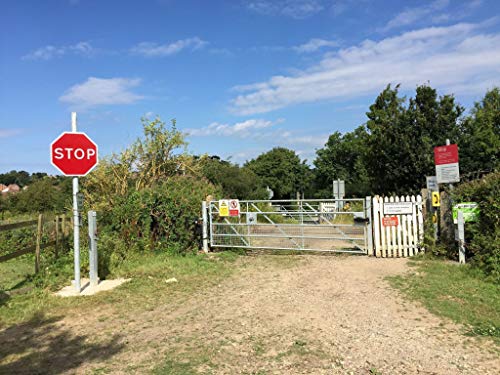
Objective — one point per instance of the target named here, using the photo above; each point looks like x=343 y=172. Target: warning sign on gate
x=390 y=221
x=223 y=208
x=234 y=207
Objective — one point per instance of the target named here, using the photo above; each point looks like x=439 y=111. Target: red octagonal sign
x=74 y=154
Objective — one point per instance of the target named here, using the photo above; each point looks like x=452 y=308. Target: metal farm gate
x=327 y=225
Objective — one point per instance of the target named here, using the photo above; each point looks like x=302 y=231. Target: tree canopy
x=282 y=171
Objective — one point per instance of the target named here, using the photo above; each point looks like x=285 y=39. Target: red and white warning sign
x=446 y=160
x=234 y=207
x=390 y=221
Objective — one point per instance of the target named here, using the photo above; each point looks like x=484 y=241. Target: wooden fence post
x=38 y=241
x=57 y=237
x=63 y=229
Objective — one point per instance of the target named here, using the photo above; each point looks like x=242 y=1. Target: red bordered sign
x=390 y=221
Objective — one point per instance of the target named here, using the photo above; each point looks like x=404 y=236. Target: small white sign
x=432 y=183
x=338 y=189
x=447 y=173
x=251 y=218
x=398 y=208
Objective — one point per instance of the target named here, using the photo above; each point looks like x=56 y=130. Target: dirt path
x=284 y=315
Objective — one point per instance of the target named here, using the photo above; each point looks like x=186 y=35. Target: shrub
x=162 y=216
x=483 y=237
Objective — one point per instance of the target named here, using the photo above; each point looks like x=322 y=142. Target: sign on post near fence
x=446 y=160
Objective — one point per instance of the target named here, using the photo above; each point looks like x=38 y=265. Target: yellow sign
x=223 y=208
x=434 y=218
x=436 y=200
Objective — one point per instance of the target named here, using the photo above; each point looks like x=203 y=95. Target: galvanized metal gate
x=306 y=225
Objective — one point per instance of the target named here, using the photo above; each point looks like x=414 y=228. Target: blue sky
x=240 y=76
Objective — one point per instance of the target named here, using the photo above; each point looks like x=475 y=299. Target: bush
x=483 y=237
x=162 y=216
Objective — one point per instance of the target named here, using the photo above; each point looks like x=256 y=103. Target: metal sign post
x=76 y=219
x=74 y=154
x=461 y=237
x=204 y=215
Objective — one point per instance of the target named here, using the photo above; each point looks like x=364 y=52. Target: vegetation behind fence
x=33 y=236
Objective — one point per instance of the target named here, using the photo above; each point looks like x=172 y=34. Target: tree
x=155 y=157
x=40 y=196
x=401 y=139
x=282 y=170
x=385 y=145
x=479 y=144
x=235 y=181
x=21 y=178
x=342 y=158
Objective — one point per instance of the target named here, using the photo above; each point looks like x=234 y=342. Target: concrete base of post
x=88 y=289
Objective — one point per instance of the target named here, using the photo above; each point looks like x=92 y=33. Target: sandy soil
x=282 y=315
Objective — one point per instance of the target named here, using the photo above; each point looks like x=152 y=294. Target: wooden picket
x=403 y=240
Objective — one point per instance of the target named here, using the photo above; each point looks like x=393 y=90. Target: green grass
x=15 y=272
x=457 y=292
x=145 y=291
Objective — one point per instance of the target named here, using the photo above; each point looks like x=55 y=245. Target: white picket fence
x=403 y=240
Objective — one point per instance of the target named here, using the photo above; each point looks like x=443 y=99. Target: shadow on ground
x=42 y=346
x=4 y=297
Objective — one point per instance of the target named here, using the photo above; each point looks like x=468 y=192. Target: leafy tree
x=236 y=182
x=154 y=158
x=479 y=144
x=282 y=170
x=385 y=145
x=342 y=158
x=40 y=196
x=401 y=140
x=21 y=178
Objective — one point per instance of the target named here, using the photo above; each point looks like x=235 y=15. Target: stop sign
x=74 y=154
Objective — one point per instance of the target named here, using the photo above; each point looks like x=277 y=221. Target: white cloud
x=245 y=129
x=304 y=145
x=314 y=44
x=298 y=9
x=49 y=52
x=157 y=50
x=6 y=133
x=457 y=56
x=101 y=91
x=412 y=15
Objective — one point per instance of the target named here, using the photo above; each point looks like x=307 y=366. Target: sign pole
x=461 y=237
x=447 y=144
x=76 y=223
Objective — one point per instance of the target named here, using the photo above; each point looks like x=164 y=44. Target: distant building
x=12 y=188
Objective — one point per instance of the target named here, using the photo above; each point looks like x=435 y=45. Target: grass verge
x=454 y=291
x=148 y=286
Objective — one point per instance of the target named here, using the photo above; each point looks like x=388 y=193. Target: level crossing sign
x=446 y=161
